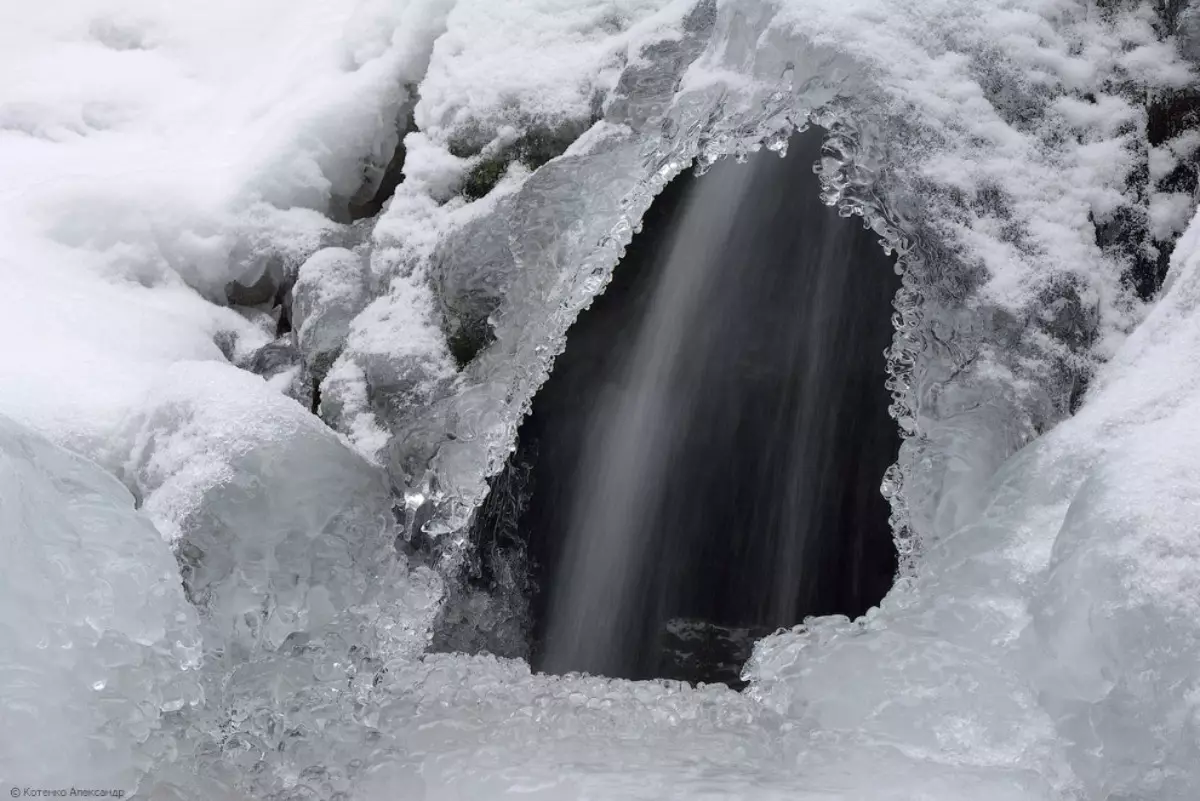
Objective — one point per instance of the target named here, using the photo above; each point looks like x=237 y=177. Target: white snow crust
x=236 y=622
x=150 y=154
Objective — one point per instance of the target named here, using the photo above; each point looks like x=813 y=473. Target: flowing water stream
x=709 y=447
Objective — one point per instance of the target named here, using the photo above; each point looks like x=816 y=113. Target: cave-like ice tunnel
x=707 y=453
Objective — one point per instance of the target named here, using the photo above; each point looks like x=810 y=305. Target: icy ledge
x=1070 y=601
x=945 y=133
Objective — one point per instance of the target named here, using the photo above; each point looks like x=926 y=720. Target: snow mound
x=154 y=156
x=281 y=528
x=333 y=286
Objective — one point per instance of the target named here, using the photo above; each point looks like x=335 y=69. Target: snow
x=149 y=154
x=332 y=286
x=252 y=629
x=1169 y=212
x=1163 y=159
x=539 y=60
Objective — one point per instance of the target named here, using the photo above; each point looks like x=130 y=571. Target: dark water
x=708 y=450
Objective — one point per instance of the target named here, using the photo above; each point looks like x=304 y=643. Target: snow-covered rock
x=152 y=156
x=281 y=528
x=332 y=287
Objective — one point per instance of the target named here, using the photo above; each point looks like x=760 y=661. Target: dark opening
x=707 y=453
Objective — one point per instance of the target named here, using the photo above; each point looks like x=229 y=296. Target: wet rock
x=381 y=176
x=533 y=149
x=1187 y=31
x=263 y=281
x=274 y=358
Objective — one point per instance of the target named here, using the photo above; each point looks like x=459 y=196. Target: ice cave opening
x=703 y=464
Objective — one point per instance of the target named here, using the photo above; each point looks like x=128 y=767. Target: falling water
x=633 y=440
x=730 y=433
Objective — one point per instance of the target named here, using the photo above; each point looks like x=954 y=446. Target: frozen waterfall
x=719 y=464
x=284 y=283
x=631 y=451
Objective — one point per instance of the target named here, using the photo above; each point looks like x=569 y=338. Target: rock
x=261 y=282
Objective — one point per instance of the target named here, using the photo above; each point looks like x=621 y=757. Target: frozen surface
x=98 y=640
x=331 y=288
x=160 y=161
x=487 y=729
x=946 y=132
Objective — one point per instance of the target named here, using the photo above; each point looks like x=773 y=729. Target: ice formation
x=183 y=185
x=99 y=642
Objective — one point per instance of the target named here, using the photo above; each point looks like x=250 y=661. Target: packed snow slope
x=250 y=401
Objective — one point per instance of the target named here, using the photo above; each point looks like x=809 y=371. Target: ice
x=533 y=230
x=279 y=525
x=332 y=286
x=1115 y=637
x=479 y=728
x=935 y=669
x=99 y=643
x=1042 y=643
x=285 y=538
x=1065 y=612
x=945 y=132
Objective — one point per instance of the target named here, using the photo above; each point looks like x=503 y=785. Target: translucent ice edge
x=995 y=328
x=714 y=121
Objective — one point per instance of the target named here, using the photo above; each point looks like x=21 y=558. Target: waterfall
x=732 y=431
x=633 y=441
